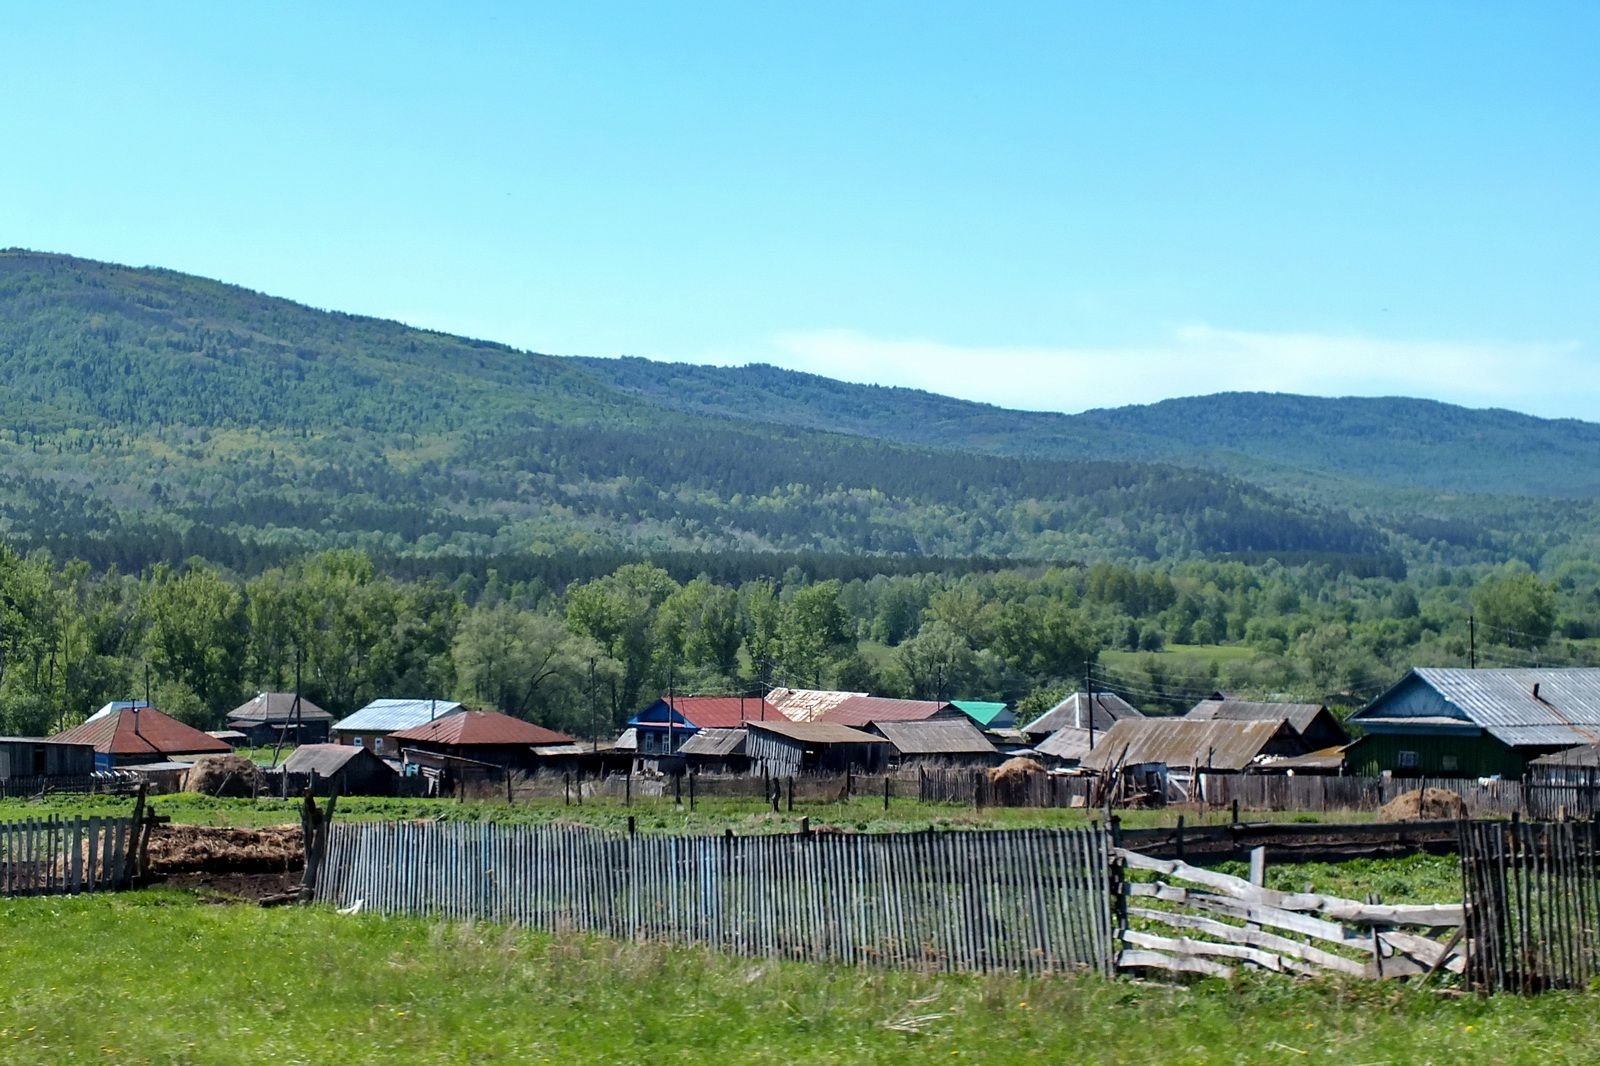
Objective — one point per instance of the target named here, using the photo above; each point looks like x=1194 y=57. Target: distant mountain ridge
x=1399 y=441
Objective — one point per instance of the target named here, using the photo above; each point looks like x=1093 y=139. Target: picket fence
x=52 y=856
x=1032 y=901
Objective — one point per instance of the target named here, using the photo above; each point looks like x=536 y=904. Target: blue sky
x=1051 y=206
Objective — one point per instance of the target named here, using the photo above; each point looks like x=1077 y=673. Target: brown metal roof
x=143 y=732
x=469 y=728
x=277 y=707
x=817 y=732
x=1299 y=715
x=952 y=736
x=807 y=704
x=1181 y=742
x=860 y=710
x=327 y=759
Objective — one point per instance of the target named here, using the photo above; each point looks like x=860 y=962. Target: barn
x=785 y=748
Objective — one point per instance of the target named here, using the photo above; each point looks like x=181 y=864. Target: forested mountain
x=1407 y=443
x=149 y=415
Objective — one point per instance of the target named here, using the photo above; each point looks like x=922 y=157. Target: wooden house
x=987 y=716
x=1451 y=722
x=35 y=757
x=784 y=748
x=1317 y=725
x=937 y=742
x=280 y=717
x=1081 y=710
x=476 y=743
x=663 y=727
x=373 y=725
x=354 y=771
x=125 y=735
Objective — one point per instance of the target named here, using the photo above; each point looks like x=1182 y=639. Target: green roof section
x=987 y=715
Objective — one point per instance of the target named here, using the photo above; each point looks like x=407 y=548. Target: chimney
x=1536 y=692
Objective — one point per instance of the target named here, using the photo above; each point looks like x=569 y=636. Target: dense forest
x=215 y=485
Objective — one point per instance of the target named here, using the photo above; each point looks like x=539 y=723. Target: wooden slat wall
x=57 y=856
x=1030 y=901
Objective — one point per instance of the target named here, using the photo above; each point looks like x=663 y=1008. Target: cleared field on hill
x=156 y=977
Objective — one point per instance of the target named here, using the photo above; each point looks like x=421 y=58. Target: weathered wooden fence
x=1033 y=900
x=1533 y=903
x=117 y=782
x=1318 y=792
x=980 y=789
x=47 y=856
x=1189 y=920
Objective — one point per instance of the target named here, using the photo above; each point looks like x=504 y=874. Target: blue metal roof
x=388 y=716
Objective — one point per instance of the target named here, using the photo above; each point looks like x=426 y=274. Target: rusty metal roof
x=145 y=731
x=715 y=743
x=1108 y=708
x=1299 y=715
x=947 y=736
x=481 y=728
x=807 y=704
x=1564 y=712
x=1181 y=742
x=860 y=710
x=817 y=732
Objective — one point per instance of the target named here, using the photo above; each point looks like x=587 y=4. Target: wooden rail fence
x=52 y=856
x=1031 y=900
x=1533 y=904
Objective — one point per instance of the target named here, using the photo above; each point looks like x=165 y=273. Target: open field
x=662 y=815
x=176 y=981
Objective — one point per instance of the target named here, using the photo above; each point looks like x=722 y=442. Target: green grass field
x=156 y=977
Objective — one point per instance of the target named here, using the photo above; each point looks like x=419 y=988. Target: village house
x=273 y=717
x=859 y=711
x=353 y=771
x=1081 y=710
x=476 y=743
x=987 y=716
x=663 y=727
x=1317 y=725
x=373 y=725
x=942 y=742
x=1452 y=722
x=807 y=704
x=784 y=748
x=133 y=736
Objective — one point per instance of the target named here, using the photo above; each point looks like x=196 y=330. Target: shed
x=134 y=734
x=1443 y=722
x=717 y=750
x=858 y=711
x=945 y=742
x=280 y=717
x=372 y=726
x=1082 y=711
x=356 y=771
x=785 y=748
x=1181 y=744
x=36 y=757
x=1317 y=725
x=1066 y=747
x=987 y=715
x=663 y=727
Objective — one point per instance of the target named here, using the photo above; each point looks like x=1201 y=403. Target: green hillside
x=149 y=415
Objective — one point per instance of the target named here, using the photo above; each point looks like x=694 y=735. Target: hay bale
x=225 y=775
x=1423 y=805
x=1011 y=781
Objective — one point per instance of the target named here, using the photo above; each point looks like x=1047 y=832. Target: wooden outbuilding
x=784 y=748
x=280 y=718
x=937 y=742
x=354 y=771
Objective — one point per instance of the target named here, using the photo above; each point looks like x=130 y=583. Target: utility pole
x=1088 y=697
x=594 y=714
x=1472 y=641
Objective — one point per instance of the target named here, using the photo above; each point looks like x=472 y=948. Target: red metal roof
x=145 y=732
x=862 y=710
x=469 y=728
x=725 y=712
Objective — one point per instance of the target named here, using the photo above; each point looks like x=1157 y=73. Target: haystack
x=1423 y=805
x=226 y=775
x=1009 y=782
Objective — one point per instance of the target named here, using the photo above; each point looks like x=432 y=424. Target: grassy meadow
x=157 y=977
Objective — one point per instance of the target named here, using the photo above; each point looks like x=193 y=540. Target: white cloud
x=1549 y=379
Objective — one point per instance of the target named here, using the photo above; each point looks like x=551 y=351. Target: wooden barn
x=1317 y=725
x=354 y=771
x=716 y=751
x=280 y=717
x=937 y=742
x=34 y=757
x=784 y=748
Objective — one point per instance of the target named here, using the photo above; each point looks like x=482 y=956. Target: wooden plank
x=1186 y=946
x=1139 y=959
x=1256 y=938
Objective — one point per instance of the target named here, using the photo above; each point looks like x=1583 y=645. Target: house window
x=1408 y=760
x=1448 y=762
x=358 y=742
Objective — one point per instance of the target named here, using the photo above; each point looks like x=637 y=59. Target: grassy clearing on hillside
x=712 y=815
x=1181 y=658
x=173 y=981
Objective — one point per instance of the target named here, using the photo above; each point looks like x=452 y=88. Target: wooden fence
x=116 y=782
x=978 y=788
x=50 y=856
x=1189 y=920
x=1533 y=903
x=1033 y=900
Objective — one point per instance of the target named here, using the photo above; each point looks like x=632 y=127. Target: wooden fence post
x=791 y=793
x=885 y=791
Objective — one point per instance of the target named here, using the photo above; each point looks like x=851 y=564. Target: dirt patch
x=233 y=887
x=190 y=849
x=1423 y=805
x=225 y=775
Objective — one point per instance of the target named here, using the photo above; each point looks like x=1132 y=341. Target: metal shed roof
x=817 y=732
x=1180 y=742
x=1565 y=712
x=1299 y=715
x=807 y=704
x=715 y=743
x=949 y=736
x=1074 y=711
x=387 y=716
x=1066 y=744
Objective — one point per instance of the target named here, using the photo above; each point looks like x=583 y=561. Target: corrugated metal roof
x=147 y=732
x=989 y=715
x=715 y=743
x=627 y=740
x=860 y=710
x=1565 y=713
x=480 y=729
x=1326 y=759
x=817 y=732
x=949 y=736
x=386 y=716
x=277 y=707
x=1073 y=712
x=1584 y=755
x=327 y=759
x=1299 y=715
x=1181 y=742
x=807 y=704
x=1067 y=744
